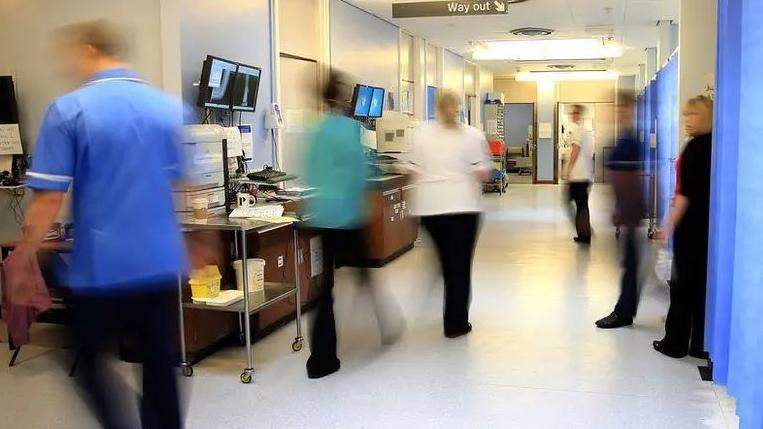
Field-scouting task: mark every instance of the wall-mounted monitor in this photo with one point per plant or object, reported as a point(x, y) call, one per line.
point(362, 101)
point(377, 103)
point(245, 88)
point(216, 84)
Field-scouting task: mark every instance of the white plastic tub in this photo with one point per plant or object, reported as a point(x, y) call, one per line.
point(256, 273)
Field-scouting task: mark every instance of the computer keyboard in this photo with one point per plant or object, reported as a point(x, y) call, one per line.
point(265, 174)
point(263, 211)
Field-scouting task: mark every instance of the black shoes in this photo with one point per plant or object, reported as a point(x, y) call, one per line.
point(316, 369)
point(460, 332)
point(614, 321)
point(668, 350)
point(582, 240)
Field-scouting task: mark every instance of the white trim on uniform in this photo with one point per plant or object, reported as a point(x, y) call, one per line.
point(50, 177)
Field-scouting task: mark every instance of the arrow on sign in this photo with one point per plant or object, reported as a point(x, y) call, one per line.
point(500, 6)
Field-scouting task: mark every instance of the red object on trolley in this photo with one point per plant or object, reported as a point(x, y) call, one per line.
point(496, 147)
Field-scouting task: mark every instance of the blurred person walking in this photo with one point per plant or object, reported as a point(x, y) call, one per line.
point(580, 174)
point(688, 222)
point(625, 166)
point(337, 168)
point(450, 162)
point(115, 142)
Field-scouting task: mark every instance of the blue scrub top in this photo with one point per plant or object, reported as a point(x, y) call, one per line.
point(116, 142)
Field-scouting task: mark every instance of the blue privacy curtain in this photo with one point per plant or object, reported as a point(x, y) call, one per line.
point(735, 277)
point(667, 134)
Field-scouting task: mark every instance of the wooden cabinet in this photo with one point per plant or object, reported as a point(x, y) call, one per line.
point(392, 229)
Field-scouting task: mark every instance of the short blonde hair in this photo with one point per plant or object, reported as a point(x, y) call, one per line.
point(704, 102)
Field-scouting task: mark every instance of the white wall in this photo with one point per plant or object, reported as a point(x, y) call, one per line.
point(27, 53)
point(365, 47)
point(697, 41)
point(238, 30)
point(453, 68)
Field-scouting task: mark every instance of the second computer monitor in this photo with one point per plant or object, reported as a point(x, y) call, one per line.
point(377, 103)
point(245, 88)
point(362, 101)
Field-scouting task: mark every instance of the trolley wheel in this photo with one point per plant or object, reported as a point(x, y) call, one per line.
point(650, 234)
point(246, 377)
point(187, 370)
point(297, 345)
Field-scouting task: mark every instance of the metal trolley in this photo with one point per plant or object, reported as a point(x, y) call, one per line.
point(252, 302)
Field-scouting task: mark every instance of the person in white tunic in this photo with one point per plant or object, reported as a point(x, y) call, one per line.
point(450, 163)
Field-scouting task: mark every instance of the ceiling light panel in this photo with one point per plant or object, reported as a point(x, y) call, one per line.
point(565, 75)
point(548, 50)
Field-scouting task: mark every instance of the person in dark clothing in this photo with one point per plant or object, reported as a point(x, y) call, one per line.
point(625, 165)
point(688, 222)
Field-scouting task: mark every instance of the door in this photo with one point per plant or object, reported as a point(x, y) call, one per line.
point(519, 132)
point(299, 105)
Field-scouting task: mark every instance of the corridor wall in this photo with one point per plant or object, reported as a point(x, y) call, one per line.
point(735, 276)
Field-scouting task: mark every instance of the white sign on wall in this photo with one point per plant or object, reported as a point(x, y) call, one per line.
point(10, 139)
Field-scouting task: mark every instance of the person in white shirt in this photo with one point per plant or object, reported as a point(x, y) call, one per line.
point(450, 163)
point(580, 174)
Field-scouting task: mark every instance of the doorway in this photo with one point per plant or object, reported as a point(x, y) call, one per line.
point(519, 135)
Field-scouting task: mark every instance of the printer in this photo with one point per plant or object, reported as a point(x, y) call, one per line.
point(204, 167)
point(394, 132)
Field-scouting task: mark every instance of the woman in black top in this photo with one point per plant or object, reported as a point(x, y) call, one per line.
point(689, 222)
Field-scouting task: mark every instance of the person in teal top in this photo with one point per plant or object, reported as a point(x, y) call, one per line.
point(337, 168)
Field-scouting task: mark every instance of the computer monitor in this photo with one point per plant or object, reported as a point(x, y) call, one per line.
point(9, 112)
point(377, 103)
point(362, 101)
point(216, 84)
point(245, 88)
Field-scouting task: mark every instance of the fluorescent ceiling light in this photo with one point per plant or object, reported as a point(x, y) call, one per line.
point(548, 50)
point(566, 75)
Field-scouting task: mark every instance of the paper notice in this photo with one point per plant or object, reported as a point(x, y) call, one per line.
point(545, 130)
point(294, 121)
point(10, 139)
point(316, 256)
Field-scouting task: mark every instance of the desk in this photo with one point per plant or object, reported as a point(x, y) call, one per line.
point(274, 292)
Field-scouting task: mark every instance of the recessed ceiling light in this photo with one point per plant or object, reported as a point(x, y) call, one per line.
point(531, 31)
point(561, 66)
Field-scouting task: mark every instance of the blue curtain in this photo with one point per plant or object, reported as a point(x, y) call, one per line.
point(431, 101)
point(667, 108)
point(735, 277)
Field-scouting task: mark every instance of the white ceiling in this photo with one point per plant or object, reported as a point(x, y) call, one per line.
point(632, 23)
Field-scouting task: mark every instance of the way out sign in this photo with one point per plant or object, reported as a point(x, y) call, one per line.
point(450, 8)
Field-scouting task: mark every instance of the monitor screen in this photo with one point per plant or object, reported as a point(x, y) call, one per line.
point(377, 103)
point(246, 87)
point(363, 95)
point(216, 83)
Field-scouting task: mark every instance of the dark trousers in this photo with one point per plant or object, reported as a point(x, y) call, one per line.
point(455, 236)
point(627, 304)
point(149, 316)
point(685, 325)
point(334, 242)
point(577, 193)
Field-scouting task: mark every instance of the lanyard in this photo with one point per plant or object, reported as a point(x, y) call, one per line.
point(111, 79)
